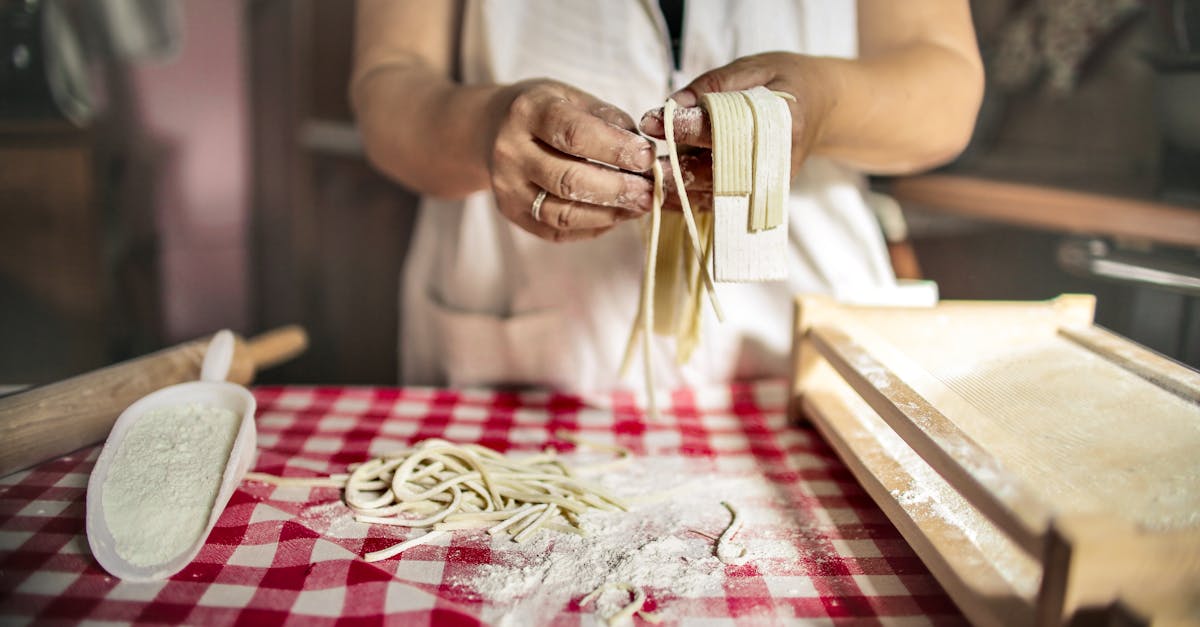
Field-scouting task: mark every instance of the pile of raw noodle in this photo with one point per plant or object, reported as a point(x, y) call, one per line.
point(440, 486)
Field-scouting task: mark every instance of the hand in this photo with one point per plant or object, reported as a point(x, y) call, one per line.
point(553, 137)
point(779, 71)
point(696, 166)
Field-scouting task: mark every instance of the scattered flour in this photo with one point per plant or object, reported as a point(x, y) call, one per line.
point(664, 545)
point(929, 496)
point(652, 547)
point(164, 479)
point(332, 519)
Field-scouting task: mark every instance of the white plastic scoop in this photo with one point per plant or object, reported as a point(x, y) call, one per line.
point(210, 390)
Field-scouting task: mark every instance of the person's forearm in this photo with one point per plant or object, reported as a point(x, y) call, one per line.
point(907, 111)
point(910, 107)
point(424, 130)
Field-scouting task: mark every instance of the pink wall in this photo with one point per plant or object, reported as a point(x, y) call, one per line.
point(197, 105)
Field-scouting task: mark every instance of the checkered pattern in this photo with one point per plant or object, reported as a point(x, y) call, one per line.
point(278, 554)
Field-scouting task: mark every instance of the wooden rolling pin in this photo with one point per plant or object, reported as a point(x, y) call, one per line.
point(52, 420)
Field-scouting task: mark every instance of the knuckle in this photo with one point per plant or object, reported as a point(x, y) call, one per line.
point(502, 184)
point(573, 136)
point(508, 148)
point(710, 83)
point(502, 153)
point(567, 217)
point(554, 113)
point(524, 105)
point(570, 183)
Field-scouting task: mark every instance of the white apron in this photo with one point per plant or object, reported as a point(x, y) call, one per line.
point(485, 303)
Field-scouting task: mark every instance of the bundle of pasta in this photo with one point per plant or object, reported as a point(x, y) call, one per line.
point(752, 160)
point(744, 238)
point(441, 487)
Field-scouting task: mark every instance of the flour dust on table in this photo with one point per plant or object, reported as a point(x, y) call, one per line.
point(663, 546)
point(667, 545)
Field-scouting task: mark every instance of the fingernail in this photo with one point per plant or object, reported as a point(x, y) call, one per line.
point(684, 98)
point(652, 122)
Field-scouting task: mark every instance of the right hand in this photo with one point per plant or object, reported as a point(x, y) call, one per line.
point(696, 167)
point(547, 135)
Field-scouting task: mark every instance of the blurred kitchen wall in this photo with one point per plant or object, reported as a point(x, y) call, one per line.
point(124, 179)
point(1076, 101)
point(216, 180)
point(196, 105)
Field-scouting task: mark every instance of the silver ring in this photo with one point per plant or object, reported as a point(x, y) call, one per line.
point(536, 209)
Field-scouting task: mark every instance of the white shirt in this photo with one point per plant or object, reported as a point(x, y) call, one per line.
point(485, 303)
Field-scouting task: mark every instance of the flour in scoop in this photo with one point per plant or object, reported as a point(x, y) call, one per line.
point(164, 480)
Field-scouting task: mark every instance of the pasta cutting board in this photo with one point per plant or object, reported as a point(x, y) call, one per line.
point(1047, 471)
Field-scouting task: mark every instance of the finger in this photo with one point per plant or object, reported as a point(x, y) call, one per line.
point(603, 110)
point(696, 170)
point(575, 131)
point(613, 116)
point(699, 202)
point(692, 127)
point(741, 74)
point(581, 181)
point(551, 234)
point(569, 215)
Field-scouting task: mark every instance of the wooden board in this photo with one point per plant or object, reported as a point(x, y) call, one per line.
point(1049, 428)
point(987, 575)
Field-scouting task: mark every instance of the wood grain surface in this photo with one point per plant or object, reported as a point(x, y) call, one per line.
point(1076, 444)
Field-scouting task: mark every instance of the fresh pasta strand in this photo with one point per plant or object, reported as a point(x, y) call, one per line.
point(726, 550)
point(332, 481)
point(686, 205)
point(402, 547)
point(648, 292)
point(626, 613)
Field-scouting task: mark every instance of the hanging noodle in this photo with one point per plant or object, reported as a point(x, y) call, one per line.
point(751, 158)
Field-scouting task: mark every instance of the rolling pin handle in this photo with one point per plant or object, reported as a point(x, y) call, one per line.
point(277, 346)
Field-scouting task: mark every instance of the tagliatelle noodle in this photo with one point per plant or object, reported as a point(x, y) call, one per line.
point(751, 139)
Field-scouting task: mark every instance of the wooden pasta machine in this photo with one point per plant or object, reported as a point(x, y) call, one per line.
point(1045, 470)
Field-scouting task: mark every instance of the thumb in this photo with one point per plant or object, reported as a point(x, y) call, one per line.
point(739, 75)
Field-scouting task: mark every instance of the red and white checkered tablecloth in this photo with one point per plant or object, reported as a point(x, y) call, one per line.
point(273, 559)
